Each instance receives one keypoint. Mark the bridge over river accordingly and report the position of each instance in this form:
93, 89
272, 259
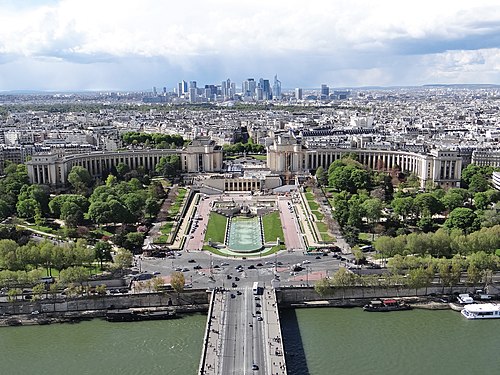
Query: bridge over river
243, 334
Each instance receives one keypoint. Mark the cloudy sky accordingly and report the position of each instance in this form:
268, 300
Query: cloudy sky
134, 45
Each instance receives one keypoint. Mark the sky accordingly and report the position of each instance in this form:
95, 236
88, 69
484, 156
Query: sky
70, 45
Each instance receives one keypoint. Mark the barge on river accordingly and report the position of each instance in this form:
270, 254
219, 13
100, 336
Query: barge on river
386, 305
481, 311
135, 315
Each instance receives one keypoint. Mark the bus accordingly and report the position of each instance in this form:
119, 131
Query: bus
257, 289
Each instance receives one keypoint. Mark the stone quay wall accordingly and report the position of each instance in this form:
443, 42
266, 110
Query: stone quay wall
190, 300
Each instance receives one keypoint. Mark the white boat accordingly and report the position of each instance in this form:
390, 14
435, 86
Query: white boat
481, 311
465, 298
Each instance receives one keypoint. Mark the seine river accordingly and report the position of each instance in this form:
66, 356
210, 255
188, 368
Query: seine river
334, 341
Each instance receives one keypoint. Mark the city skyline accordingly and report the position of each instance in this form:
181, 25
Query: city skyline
123, 45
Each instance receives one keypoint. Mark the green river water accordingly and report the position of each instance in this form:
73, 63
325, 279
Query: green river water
318, 341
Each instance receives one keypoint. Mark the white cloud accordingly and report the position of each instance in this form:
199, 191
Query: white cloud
351, 41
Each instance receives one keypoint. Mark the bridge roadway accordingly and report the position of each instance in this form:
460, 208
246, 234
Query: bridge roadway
243, 330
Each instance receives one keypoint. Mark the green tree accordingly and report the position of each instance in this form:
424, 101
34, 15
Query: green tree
122, 169
453, 199
151, 206
474, 274
27, 208
72, 275
123, 258
427, 205
323, 287
462, 218
356, 212
321, 176
80, 179
373, 211
343, 278
341, 208
72, 214
177, 281
419, 278
103, 252
403, 207
478, 183
133, 240
482, 200
169, 166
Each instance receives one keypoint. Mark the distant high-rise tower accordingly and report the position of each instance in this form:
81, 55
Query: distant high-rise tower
325, 91
298, 93
248, 87
276, 88
266, 89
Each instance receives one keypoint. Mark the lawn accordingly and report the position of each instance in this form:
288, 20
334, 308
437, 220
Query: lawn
319, 215
323, 231
216, 228
272, 227
258, 156
313, 205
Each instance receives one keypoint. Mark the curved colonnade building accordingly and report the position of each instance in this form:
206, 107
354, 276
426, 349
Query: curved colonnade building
442, 167
202, 155
286, 157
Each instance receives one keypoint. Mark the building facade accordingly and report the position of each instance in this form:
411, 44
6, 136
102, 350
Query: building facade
202, 155
442, 167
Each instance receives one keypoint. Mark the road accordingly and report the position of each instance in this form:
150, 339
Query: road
243, 334
262, 269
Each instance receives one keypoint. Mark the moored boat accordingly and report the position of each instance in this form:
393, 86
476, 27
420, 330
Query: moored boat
131, 315
387, 305
481, 311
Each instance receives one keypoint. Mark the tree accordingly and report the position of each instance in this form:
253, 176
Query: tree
177, 281
350, 234
151, 206
403, 207
100, 213
27, 208
321, 176
452, 199
122, 169
373, 210
341, 208
474, 274
72, 214
135, 203
123, 258
343, 278
58, 201
482, 200
157, 284
5, 209
102, 252
133, 240
38, 193
72, 275
462, 218
169, 166
427, 205
323, 287
80, 179
419, 278
356, 212
478, 183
